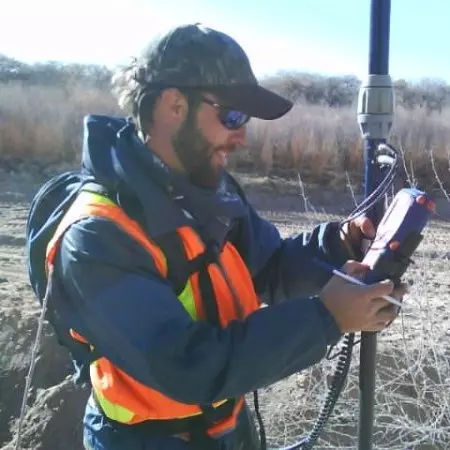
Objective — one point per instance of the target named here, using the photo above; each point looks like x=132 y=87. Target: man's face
x=203 y=145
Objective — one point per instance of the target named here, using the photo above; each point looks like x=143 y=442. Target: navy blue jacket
x=102 y=268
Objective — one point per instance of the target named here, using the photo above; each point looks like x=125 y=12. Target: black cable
x=345 y=354
x=383 y=186
x=262 y=431
x=337 y=383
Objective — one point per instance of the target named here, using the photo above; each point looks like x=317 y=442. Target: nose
x=240 y=136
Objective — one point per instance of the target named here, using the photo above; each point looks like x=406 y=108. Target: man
x=178 y=358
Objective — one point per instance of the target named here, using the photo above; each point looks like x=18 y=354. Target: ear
x=175 y=105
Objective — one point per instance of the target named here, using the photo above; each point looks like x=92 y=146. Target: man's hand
x=360 y=308
x=354 y=232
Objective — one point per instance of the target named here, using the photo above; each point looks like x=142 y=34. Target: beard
x=195 y=152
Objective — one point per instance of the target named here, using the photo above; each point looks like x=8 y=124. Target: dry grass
x=325 y=143
x=42 y=125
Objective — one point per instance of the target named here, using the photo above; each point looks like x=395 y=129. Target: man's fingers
x=375 y=290
x=382 y=318
x=397 y=293
x=367 y=228
x=384 y=287
x=355 y=268
x=380 y=303
x=387 y=314
x=361 y=226
x=400 y=291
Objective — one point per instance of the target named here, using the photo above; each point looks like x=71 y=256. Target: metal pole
x=375 y=114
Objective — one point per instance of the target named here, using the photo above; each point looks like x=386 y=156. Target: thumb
x=367 y=227
x=384 y=287
x=352 y=267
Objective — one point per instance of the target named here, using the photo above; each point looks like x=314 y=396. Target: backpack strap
x=83 y=353
x=180 y=269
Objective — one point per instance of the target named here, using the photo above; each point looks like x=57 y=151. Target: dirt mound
x=55 y=405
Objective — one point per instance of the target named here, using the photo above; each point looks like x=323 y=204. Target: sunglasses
x=229 y=118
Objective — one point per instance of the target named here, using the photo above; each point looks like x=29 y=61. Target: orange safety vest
x=121 y=397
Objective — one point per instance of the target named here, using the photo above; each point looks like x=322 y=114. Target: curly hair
x=133 y=97
x=132 y=88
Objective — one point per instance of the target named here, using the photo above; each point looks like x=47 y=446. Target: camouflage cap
x=196 y=57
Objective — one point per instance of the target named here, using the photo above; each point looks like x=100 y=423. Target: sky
x=328 y=37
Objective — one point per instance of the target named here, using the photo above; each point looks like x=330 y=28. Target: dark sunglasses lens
x=233 y=119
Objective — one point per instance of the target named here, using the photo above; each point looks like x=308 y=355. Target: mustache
x=223 y=148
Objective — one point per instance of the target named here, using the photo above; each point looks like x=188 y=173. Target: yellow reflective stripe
x=220 y=402
x=114 y=412
x=187 y=300
x=94 y=197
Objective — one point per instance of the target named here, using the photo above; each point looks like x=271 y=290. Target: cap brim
x=255 y=101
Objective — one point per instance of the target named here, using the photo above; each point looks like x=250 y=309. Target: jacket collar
x=115 y=155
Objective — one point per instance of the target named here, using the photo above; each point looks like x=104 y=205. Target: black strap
x=81 y=352
x=208 y=297
x=180 y=269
